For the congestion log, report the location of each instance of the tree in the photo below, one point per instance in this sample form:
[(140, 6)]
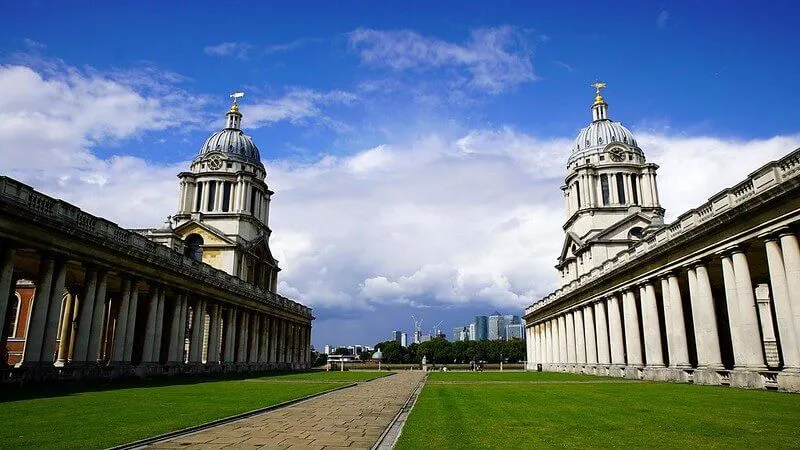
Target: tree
[(341, 351), (437, 350), (320, 359), (365, 356)]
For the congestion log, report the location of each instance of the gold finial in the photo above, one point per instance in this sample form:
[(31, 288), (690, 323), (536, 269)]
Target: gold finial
[(598, 98), (236, 96)]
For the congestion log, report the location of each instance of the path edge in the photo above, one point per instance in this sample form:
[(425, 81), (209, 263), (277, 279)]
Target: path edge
[(388, 439)]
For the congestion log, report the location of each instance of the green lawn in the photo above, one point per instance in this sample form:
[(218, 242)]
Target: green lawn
[(575, 413), (104, 415)]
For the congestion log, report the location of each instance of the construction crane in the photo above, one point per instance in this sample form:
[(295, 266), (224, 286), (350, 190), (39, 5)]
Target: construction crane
[(417, 329), (435, 329)]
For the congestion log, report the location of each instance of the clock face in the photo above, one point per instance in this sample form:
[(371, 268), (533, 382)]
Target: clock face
[(215, 162), (616, 154)]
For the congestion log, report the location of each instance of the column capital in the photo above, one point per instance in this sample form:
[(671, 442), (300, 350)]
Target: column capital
[(695, 263), (731, 249)]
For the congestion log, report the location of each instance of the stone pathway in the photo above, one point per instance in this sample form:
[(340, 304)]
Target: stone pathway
[(353, 418)]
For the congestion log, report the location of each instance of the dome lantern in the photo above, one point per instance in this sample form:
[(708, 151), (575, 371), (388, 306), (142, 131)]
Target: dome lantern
[(599, 107)]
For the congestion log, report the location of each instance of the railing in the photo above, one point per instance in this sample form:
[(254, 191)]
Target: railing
[(765, 178), (58, 212)]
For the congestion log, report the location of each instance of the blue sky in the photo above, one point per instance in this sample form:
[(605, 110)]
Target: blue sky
[(416, 149)]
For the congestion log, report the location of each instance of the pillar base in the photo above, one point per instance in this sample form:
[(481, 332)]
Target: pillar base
[(634, 372), (749, 379), (711, 376)]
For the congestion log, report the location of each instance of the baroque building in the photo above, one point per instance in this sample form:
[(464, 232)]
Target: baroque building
[(82, 297), (712, 298)]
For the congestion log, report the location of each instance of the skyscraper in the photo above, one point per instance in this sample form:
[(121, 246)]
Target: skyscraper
[(396, 336), (404, 339), (481, 328)]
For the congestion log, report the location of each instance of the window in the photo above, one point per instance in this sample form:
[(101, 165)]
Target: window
[(605, 189), (194, 247), (599, 140), (253, 201), (578, 192), (635, 233), (212, 192), (226, 196), (602, 157), (634, 191), (620, 188), (199, 196)]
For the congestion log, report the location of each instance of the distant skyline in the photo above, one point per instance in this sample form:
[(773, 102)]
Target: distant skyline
[(416, 150)]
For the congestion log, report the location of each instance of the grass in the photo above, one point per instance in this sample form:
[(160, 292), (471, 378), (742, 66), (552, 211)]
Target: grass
[(567, 411), (98, 416)]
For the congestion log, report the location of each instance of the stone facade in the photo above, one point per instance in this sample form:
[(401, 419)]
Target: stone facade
[(82, 297), (712, 298)]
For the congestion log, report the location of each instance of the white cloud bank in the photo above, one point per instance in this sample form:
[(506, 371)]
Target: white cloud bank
[(470, 217)]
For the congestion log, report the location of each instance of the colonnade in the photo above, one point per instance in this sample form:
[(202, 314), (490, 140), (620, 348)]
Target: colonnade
[(684, 324), (85, 317), (229, 193)]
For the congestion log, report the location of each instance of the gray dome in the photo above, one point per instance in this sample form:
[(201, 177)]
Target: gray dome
[(234, 144), (595, 138)]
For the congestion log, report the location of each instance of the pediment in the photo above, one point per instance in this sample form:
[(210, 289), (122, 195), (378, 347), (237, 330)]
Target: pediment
[(210, 235), (621, 229), (566, 249)]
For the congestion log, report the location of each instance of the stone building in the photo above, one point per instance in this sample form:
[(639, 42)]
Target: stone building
[(712, 298), (83, 297)]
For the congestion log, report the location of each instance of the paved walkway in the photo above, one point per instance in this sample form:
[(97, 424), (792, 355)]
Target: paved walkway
[(353, 418)]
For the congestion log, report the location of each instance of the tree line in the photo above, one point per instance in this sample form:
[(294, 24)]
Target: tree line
[(442, 351)]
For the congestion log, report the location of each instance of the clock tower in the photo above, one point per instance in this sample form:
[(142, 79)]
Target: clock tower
[(610, 194)]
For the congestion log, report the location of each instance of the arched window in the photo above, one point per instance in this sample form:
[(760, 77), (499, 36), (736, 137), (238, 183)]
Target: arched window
[(194, 247), (634, 190), (620, 189), (635, 233), (578, 192)]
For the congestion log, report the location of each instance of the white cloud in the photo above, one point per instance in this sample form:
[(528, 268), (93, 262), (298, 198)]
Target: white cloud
[(239, 50), (296, 105), (492, 60)]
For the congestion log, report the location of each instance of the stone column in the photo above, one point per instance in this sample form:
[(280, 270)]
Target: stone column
[(176, 330), (48, 351), (549, 342), (767, 330), (130, 332), (38, 315), (570, 328), (589, 330), (580, 339), (158, 337), (263, 340), (241, 354), (676, 331), (652, 330), (6, 282), (791, 261), (118, 354), (601, 330), (562, 340), (783, 307), (213, 335), (632, 341), (255, 339), (615, 331), (150, 329), (230, 335), (705, 325), (273, 339), (66, 329), (196, 340), (742, 314), (98, 315)]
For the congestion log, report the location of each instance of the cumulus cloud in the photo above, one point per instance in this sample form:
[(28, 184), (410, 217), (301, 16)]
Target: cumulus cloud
[(492, 60), (51, 119), (238, 50)]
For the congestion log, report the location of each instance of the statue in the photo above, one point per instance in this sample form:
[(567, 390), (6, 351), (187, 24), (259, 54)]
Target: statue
[(424, 360)]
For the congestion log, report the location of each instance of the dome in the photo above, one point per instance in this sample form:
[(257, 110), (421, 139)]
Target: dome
[(601, 132), (234, 144)]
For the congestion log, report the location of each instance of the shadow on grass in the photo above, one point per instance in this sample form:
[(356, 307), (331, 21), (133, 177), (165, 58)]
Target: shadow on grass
[(11, 393)]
